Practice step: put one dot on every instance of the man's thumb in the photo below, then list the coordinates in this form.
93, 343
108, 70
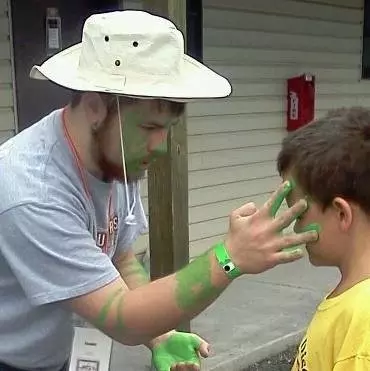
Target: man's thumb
201, 345
204, 349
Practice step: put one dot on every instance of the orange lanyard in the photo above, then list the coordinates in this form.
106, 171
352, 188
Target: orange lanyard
83, 179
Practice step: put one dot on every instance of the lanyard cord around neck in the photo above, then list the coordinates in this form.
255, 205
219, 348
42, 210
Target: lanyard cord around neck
83, 179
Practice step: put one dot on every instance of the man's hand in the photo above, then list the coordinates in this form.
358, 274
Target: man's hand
255, 244
178, 351
254, 239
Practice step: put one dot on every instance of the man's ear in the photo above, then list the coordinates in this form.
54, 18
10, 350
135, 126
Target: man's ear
343, 212
95, 107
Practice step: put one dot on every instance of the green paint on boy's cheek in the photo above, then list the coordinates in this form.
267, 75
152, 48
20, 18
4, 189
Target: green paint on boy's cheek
315, 227
194, 283
307, 228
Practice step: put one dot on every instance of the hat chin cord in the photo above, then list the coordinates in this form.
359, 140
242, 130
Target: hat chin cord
130, 218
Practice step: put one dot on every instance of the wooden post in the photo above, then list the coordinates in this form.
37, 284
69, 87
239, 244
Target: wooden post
168, 180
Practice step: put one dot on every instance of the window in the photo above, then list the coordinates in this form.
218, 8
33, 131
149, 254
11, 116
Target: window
366, 42
194, 24
194, 29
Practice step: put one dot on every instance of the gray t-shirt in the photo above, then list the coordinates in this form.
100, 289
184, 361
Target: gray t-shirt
50, 242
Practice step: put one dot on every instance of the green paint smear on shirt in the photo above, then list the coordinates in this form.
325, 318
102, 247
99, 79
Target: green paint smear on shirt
194, 283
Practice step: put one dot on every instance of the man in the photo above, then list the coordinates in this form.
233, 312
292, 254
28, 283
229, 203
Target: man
70, 205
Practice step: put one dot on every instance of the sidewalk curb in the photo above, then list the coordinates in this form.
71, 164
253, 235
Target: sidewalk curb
273, 347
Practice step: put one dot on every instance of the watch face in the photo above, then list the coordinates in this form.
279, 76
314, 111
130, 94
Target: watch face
229, 267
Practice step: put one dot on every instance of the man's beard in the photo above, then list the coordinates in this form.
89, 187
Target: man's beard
113, 172
110, 171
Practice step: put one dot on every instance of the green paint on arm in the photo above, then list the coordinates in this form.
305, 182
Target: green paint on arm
137, 270
104, 312
120, 321
194, 283
133, 273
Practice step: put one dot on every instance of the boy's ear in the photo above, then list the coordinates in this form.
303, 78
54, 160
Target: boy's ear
344, 213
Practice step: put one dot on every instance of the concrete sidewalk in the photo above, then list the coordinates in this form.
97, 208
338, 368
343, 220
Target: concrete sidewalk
256, 317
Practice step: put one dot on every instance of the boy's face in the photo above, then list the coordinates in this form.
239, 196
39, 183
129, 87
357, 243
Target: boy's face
327, 250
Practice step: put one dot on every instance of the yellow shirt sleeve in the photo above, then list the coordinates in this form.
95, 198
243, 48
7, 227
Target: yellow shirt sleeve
357, 363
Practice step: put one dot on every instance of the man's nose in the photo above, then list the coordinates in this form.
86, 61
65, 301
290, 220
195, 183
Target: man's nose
158, 139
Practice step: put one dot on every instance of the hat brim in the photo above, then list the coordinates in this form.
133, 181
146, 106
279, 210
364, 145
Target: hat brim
195, 81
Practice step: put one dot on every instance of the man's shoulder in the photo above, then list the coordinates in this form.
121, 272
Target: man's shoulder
29, 164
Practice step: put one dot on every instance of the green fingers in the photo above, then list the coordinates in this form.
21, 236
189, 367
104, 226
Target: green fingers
315, 227
194, 283
179, 348
289, 186
309, 227
282, 195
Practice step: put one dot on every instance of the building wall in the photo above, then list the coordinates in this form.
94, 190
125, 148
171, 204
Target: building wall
258, 44
7, 117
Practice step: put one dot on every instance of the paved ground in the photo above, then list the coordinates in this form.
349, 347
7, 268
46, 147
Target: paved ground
280, 362
258, 316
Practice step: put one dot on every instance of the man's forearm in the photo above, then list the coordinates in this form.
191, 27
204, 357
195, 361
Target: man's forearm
134, 275
136, 316
131, 271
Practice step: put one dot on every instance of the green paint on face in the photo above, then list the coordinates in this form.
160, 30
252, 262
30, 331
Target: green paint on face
315, 227
280, 199
104, 312
194, 283
136, 138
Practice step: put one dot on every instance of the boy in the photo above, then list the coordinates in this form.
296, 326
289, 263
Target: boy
329, 160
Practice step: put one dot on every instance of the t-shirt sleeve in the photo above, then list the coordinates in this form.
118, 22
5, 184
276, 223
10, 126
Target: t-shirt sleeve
356, 363
129, 233
52, 253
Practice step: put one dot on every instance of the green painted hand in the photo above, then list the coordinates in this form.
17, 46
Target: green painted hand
180, 351
280, 199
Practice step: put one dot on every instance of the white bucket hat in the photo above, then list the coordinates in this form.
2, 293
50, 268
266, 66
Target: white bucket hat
132, 53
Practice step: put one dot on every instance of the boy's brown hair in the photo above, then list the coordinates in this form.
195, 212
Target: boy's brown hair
330, 157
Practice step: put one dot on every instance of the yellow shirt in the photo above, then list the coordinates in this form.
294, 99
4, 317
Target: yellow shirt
338, 337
